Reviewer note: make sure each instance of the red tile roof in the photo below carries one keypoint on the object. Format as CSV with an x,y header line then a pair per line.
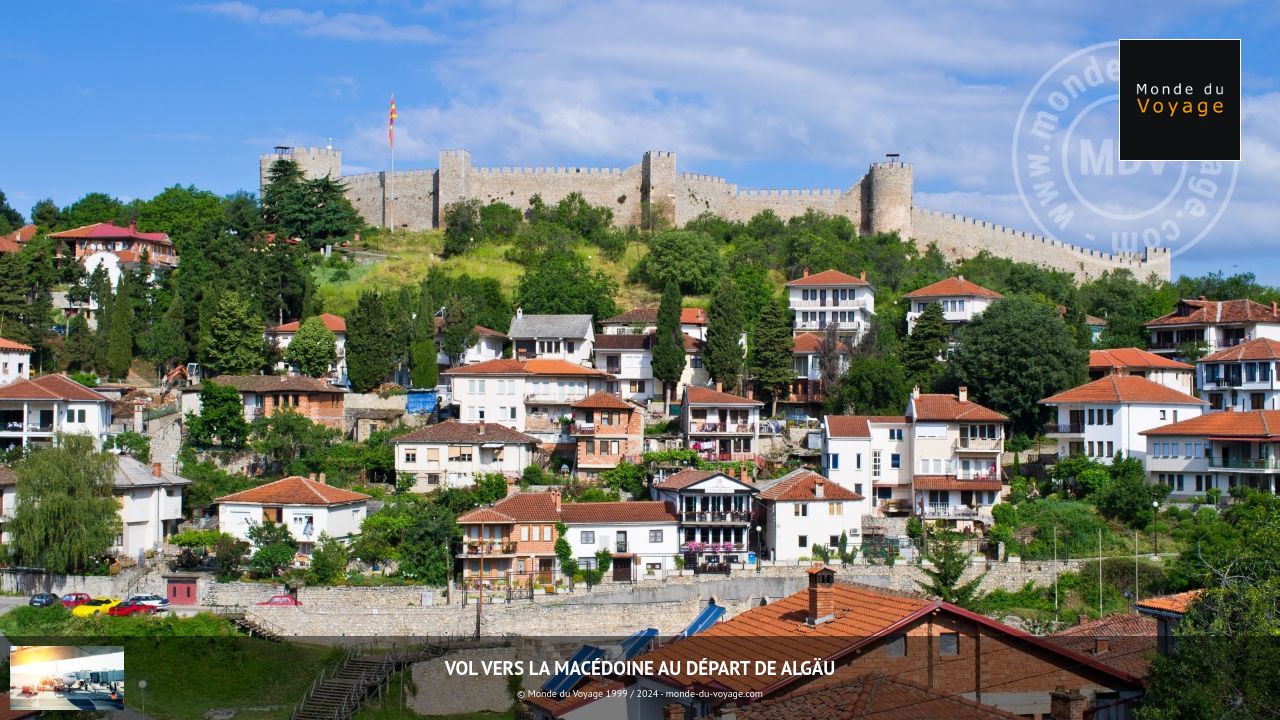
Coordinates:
x,y
1132,358
520,507
602,401
536,366
948,407
452,431
810,343
7,245
276,383
859,425
49,387
708,396
687,477
11,345
1177,604
1204,312
951,482
1122,389
335,323
489,332
22,234
623,341
605,513
649,316
692,344
802,485
1251,424
872,696
108,231
584,693
1130,641
1257,349
294,490
953,287
828,277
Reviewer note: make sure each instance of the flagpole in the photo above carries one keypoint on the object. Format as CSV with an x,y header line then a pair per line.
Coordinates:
x,y
391,137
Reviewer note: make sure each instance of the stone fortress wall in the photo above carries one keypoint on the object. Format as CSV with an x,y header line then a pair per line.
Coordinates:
x,y
880,201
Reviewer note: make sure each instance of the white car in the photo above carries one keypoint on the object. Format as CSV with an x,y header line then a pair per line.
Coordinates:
x,y
155,601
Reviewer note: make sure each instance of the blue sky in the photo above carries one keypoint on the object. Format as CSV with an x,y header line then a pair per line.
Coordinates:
x,y
130,97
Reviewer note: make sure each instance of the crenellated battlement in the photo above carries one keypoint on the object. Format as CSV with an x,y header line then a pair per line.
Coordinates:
x,y
505,170
770,192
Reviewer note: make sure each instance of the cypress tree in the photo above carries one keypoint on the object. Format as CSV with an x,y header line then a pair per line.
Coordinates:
x,y
668,346
723,353
927,343
771,357
370,346
120,335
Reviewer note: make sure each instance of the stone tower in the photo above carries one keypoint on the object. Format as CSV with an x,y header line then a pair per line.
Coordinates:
x,y
313,162
658,185
886,202
453,181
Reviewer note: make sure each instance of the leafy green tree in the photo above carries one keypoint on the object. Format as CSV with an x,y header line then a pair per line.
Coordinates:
x,y
230,552
328,560
120,336
185,213
872,385
221,419
597,494
690,259
626,477
1127,496
562,283
427,552
46,215
462,229
424,372
13,296
314,348
723,353
231,343
500,221
926,343
286,438
668,345
564,551
90,209
950,558
771,356
169,340
10,219
370,349
65,517
1015,353
274,546
77,349
330,215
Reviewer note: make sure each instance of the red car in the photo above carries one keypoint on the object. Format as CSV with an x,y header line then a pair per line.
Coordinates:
x,y
132,607
281,601
71,600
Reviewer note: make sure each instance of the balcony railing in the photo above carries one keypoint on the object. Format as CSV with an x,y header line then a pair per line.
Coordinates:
x,y
983,444
1163,345
733,516
945,510
30,427
556,398
1064,429
1269,463
728,457
488,547
727,428
582,429
858,304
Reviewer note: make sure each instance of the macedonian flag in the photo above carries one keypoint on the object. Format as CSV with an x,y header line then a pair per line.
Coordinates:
x,y
391,123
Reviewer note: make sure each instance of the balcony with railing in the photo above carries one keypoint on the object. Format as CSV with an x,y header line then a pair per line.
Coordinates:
x,y
1266,464
719,428
487,548
846,328
542,424
554,397
1064,429
715,456
954,512
979,444
729,517
846,304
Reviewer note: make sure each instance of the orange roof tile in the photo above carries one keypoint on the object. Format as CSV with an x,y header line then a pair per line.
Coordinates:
x,y
1132,358
951,482
692,344
1257,349
520,507
649,316
604,513
335,323
1251,424
953,287
872,696
1178,603
22,234
536,366
452,431
828,277
809,343
500,366
603,401
584,693
49,387
1122,389
802,485
1205,312
931,406
6,344
859,425
709,396
294,490
687,477
1130,641
109,230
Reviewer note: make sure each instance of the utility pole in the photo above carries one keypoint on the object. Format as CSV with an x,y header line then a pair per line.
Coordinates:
x,y
1135,567
1099,572
1055,572
480,584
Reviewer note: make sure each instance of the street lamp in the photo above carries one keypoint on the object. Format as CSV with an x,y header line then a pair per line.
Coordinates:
x,y
759,547
142,688
1155,517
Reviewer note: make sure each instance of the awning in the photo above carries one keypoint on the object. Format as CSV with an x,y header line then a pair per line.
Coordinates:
x,y
493,445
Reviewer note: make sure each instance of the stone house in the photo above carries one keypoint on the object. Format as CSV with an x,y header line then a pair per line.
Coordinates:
x,y
264,395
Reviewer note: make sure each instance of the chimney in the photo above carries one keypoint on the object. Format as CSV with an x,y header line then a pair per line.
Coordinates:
x,y
312,477
960,278
1202,298
751,393
915,391
156,470
822,601
1275,308
1101,645
321,479
719,386
863,276
742,474
137,416
555,497
963,395
519,312
674,711
480,430
1066,704
818,491
806,272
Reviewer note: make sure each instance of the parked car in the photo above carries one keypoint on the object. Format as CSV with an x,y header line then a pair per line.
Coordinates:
x,y
281,601
44,600
155,601
72,600
132,607
95,606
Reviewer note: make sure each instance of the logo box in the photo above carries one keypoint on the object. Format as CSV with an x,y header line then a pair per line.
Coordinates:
x,y
1180,100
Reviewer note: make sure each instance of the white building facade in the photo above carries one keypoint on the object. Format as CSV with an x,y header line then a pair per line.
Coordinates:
x,y
34,412
1243,377
642,537
553,337
1108,416
453,454
306,507
832,297
869,455
961,301
802,509
15,361
1216,451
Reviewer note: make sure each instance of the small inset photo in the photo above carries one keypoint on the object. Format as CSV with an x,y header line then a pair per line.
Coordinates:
x,y
66,677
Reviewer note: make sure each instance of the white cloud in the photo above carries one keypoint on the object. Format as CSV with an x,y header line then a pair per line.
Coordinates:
x,y
339,26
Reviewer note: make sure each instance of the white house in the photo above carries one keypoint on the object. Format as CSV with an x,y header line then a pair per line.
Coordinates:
x,y
488,345
1107,416
1217,450
452,454
716,511
1133,361
1218,324
869,455
807,392
15,361
956,451
150,505
559,337
644,321
628,358
642,536
802,509
308,508
719,425
962,300
1242,377
282,335
832,297
33,412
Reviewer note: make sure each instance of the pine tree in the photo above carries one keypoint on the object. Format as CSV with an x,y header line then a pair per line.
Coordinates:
x,y
231,343
927,343
950,559
723,352
370,347
120,336
668,346
771,357
77,350
13,295
168,339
